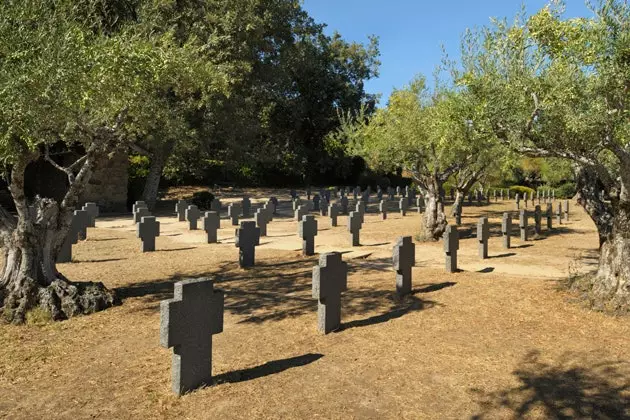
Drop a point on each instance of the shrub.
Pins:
(521, 190)
(202, 199)
(567, 190)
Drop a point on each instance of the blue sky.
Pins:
(411, 32)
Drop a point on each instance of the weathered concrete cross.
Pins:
(92, 211)
(451, 245)
(333, 213)
(246, 206)
(404, 258)
(140, 213)
(247, 237)
(307, 231)
(330, 278)
(262, 218)
(522, 223)
(211, 223)
(382, 208)
(78, 227)
(354, 227)
(180, 209)
(147, 230)
(506, 229)
(187, 323)
(192, 215)
(233, 213)
(537, 220)
(483, 233)
(402, 204)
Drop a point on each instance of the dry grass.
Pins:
(497, 340)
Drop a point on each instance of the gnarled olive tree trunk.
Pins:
(434, 217)
(158, 161)
(31, 242)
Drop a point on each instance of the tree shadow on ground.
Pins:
(268, 368)
(572, 388)
(434, 287)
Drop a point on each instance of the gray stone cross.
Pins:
(192, 215)
(187, 323)
(518, 201)
(211, 223)
(137, 205)
(92, 211)
(323, 207)
(451, 245)
(343, 202)
(247, 237)
(559, 213)
(180, 209)
(483, 234)
(506, 229)
(360, 208)
(566, 210)
(333, 213)
(404, 258)
(233, 211)
(330, 278)
(522, 223)
(382, 208)
(140, 213)
(78, 226)
(147, 230)
(80, 223)
(300, 212)
(549, 216)
(316, 200)
(307, 231)
(246, 206)
(537, 220)
(262, 218)
(354, 227)
(215, 205)
(402, 204)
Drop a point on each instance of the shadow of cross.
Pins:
(404, 258)
(330, 278)
(451, 245)
(354, 227)
(180, 209)
(192, 215)
(148, 229)
(247, 237)
(211, 222)
(307, 231)
(187, 323)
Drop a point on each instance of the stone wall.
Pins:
(108, 185)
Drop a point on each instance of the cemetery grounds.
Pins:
(500, 339)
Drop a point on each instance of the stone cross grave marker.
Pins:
(180, 209)
(307, 231)
(246, 207)
(92, 211)
(354, 227)
(333, 213)
(300, 212)
(559, 213)
(518, 201)
(137, 205)
(274, 201)
(451, 245)
(343, 202)
(522, 223)
(419, 204)
(566, 210)
(323, 207)
(398, 191)
(187, 323)
(147, 230)
(192, 215)
(247, 238)
(233, 212)
(211, 223)
(316, 200)
(296, 203)
(506, 229)
(262, 218)
(382, 209)
(404, 258)
(360, 208)
(269, 208)
(77, 226)
(549, 216)
(330, 279)
(483, 234)
(537, 220)
(140, 213)
(402, 205)
(215, 205)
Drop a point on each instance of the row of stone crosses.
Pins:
(189, 320)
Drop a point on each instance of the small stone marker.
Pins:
(92, 212)
(180, 209)
(215, 205)
(323, 207)
(419, 204)
(483, 233)
(404, 258)
(549, 216)
(537, 220)
(274, 201)
(330, 278)
(77, 226)
(262, 218)
(343, 202)
(246, 206)
(559, 213)
(137, 205)
(506, 229)
(233, 212)
(402, 205)
(354, 227)
(140, 213)
(247, 238)
(522, 223)
(307, 231)
(566, 210)
(187, 323)
(148, 229)
(360, 208)
(296, 203)
(81, 221)
(211, 223)
(333, 212)
(316, 200)
(382, 208)
(451, 245)
(192, 215)
(300, 212)
(518, 201)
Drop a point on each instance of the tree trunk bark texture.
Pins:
(434, 218)
(152, 184)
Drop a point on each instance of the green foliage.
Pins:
(202, 199)
(138, 167)
(566, 190)
(522, 190)
(38, 316)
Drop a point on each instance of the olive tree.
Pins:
(68, 82)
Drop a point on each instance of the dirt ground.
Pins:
(497, 340)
